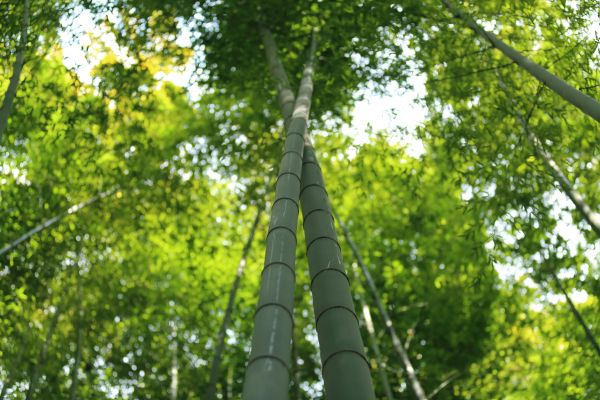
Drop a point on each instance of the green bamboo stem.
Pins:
(588, 333)
(41, 361)
(585, 103)
(174, 347)
(285, 95)
(588, 214)
(374, 344)
(268, 370)
(79, 339)
(11, 91)
(346, 372)
(51, 221)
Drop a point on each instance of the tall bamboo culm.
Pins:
(11, 91)
(585, 103)
(567, 187)
(346, 371)
(269, 366)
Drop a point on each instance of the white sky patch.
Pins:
(18, 173)
(76, 41)
(396, 112)
(567, 228)
(78, 45)
(81, 39)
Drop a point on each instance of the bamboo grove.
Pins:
(157, 159)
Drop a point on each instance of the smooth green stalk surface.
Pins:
(585, 103)
(346, 372)
(268, 371)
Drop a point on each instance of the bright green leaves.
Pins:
(161, 251)
(536, 353)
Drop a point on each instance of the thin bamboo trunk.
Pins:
(11, 92)
(174, 363)
(375, 347)
(79, 342)
(4, 390)
(374, 342)
(578, 316)
(286, 100)
(442, 385)
(346, 372)
(269, 366)
(228, 392)
(397, 344)
(585, 103)
(285, 95)
(51, 221)
(591, 217)
(218, 354)
(37, 368)
(297, 392)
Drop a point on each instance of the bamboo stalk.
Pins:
(585, 103)
(268, 369)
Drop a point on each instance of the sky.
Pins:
(397, 111)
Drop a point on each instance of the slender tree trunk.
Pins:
(374, 342)
(397, 344)
(279, 75)
(51, 221)
(285, 95)
(218, 354)
(37, 368)
(375, 347)
(174, 364)
(297, 392)
(11, 92)
(445, 383)
(578, 316)
(585, 103)
(591, 217)
(346, 372)
(286, 100)
(269, 366)
(79, 342)
(75, 371)
(228, 392)
(3, 391)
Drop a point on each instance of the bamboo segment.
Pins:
(11, 91)
(268, 370)
(374, 344)
(51, 221)
(285, 95)
(590, 216)
(578, 316)
(345, 367)
(585, 103)
(41, 361)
